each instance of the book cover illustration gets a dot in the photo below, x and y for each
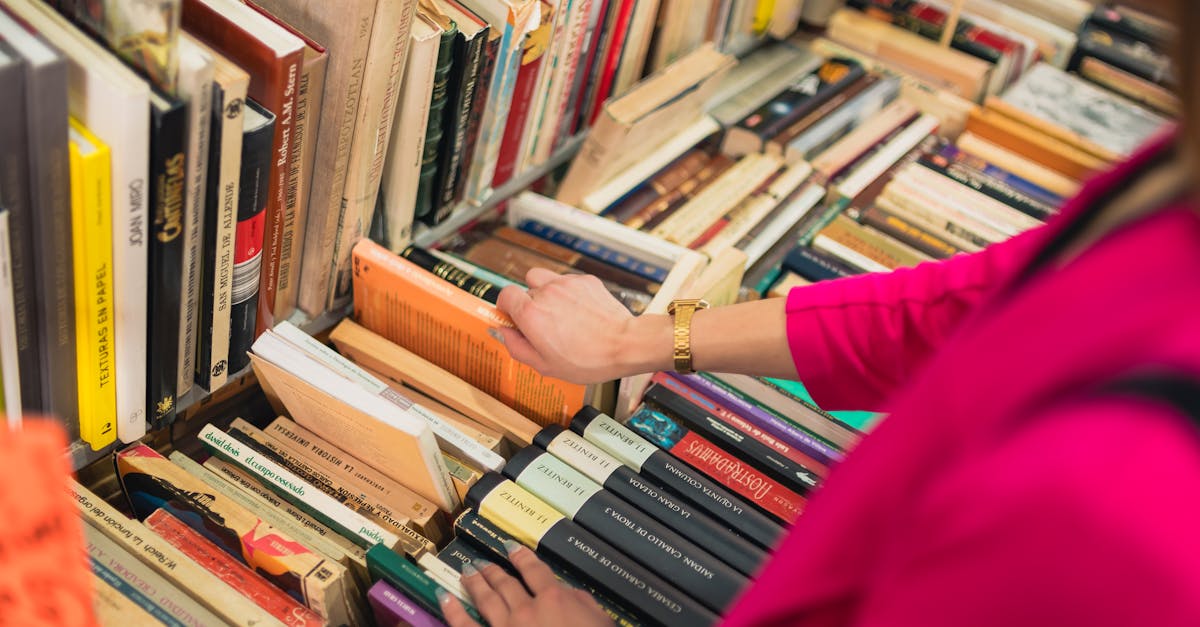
(145, 33)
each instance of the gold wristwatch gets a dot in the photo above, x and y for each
(682, 310)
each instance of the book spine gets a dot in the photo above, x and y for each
(393, 608)
(644, 457)
(451, 274)
(225, 159)
(586, 73)
(653, 499)
(907, 233)
(989, 187)
(488, 59)
(237, 576)
(583, 263)
(168, 172)
(50, 246)
(428, 195)
(248, 242)
(15, 197)
(195, 88)
(815, 265)
(458, 118)
(281, 208)
(648, 542)
(763, 418)
(509, 157)
(608, 65)
(489, 541)
(1035, 192)
(539, 526)
(577, 37)
(697, 414)
(132, 593)
(296, 490)
(595, 250)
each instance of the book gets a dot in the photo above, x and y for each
(168, 174)
(133, 595)
(258, 131)
(405, 155)
(344, 30)
(1125, 53)
(488, 59)
(41, 227)
(194, 86)
(428, 199)
(243, 580)
(151, 482)
(652, 112)
(553, 125)
(539, 526)
(163, 599)
(866, 242)
(113, 609)
(904, 232)
(473, 33)
(109, 86)
(759, 77)
(693, 219)
(809, 93)
(648, 542)
(272, 57)
(91, 235)
(478, 537)
(847, 97)
(386, 284)
(577, 260)
(1035, 145)
(146, 40)
(384, 66)
(488, 437)
(451, 274)
(529, 72)
(393, 608)
(167, 560)
(1133, 87)
(228, 113)
(391, 439)
(378, 354)
(1017, 164)
(9, 355)
(783, 187)
(994, 182)
(835, 159)
(310, 98)
(597, 251)
(648, 460)
(409, 579)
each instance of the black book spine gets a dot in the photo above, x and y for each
(639, 454)
(537, 524)
(488, 541)
(801, 99)
(653, 499)
(457, 119)
(815, 265)
(213, 199)
(693, 416)
(248, 243)
(168, 138)
(483, 86)
(648, 542)
(14, 196)
(452, 274)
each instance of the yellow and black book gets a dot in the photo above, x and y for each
(91, 235)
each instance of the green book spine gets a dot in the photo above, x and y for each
(408, 578)
(427, 196)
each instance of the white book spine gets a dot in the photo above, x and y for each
(825, 244)
(295, 489)
(449, 437)
(879, 163)
(195, 86)
(8, 332)
(402, 168)
(743, 219)
(785, 221)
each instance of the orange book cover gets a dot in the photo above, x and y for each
(1034, 145)
(449, 327)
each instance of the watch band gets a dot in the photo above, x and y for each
(682, 311)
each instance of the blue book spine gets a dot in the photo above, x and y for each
(595, 251)
(1033, 190)
(133, 594)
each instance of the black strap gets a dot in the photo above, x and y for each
(1179, 391)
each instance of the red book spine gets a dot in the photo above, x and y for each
(594, 43)
(742, 479)
(710, 232)
(732, 419)
(620, 30)
(210, 557)
(518, 117)
(578, 31)
(273, 84)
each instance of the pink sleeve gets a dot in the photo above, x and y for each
(855, 340)
(1080, 519)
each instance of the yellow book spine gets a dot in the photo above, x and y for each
(91, 230)
(762, 16)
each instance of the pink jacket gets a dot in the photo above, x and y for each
(1003, 489)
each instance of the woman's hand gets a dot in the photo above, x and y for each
(569, 327)
(503, 602)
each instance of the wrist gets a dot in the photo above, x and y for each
(645, 345)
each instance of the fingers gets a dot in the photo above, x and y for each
(454, 612)
(536, 574)
(513, 300)
(520, 348)
(537, 277)
(488, 602)
(506, 586)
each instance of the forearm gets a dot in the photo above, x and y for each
(747, 338)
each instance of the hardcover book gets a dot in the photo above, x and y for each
(469, 45)
(258, 131)
(428, 196)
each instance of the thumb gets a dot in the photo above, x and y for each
(519, 347)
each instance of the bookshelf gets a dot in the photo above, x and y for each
(467, 212)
